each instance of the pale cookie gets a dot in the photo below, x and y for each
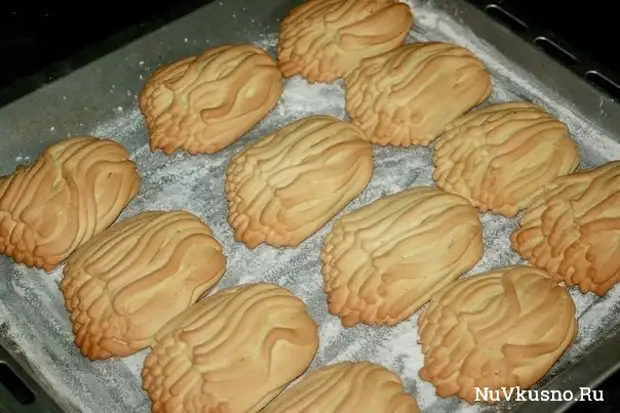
(572, 230)
(75, 189)
(382, 262)
(286, 186)
(346, 387)
(124, 284)
(502, 328)
(323, 40)
(203, 104)
(233, 352)
(407, 96)
(499, 157)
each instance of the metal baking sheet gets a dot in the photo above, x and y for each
(100, 99)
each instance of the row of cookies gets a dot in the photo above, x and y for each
(137, 283)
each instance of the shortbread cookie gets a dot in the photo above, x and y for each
(75, 189)
(502, 328)
(499, 157)
(346, 387)
(204, 103)
(408, 95)
(286, 186)
(233, 351)
(382, 262)
(572, 230)
(124, 284)
(323, 40)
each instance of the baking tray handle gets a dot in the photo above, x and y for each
(19, 393)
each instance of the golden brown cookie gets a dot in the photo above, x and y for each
(323, 40)
(382, 262)
(501, 328)
(75, 189)
(572, 230)
(124, 284)
(233, 351)
(346, 387)
(407, 96)
(287, 185)
(204, 103)
(499, 157)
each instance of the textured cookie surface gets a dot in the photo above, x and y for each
(382, 262)
(75, 189)
(127, 282)
(204, 103)
(407, 96)
(572, 230)
(501, 156)
(347, 387)
(502, 328)
(323, 40)
(233, 351)
(287, 185)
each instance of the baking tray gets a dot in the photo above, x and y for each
(100, 99)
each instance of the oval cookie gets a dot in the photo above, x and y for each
(572, 230)
(346, 387)
(323, 40)
(407, 96)
(204, 103)
(501, 328)
(74, 190)
(499, 157)
(127, 282)
(287, 185)
(382, 262)
(233, 351)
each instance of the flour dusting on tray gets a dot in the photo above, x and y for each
(31, 304)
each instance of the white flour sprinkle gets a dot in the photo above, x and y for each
(32, 305)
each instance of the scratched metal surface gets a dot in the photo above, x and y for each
(100, 99)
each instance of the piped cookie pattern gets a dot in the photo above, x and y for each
(572, 230)
(124, 284)
(204, 103)
(75, 189)
(323, 40)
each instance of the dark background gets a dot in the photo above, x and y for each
(39, 43)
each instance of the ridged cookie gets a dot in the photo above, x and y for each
(499, 157)
(284, 187)
(407, 96)
(572, 230)
(382, 262)
(124, 284)
(501, 328)
(204, 103)
(323, 40)
(233, 352)
(346, 387)
(75, 189)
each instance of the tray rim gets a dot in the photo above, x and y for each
(585, 99)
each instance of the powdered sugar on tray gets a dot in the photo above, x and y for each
(33, 308)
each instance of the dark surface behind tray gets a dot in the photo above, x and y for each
(42, 43)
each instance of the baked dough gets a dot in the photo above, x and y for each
(572, 230)
(232, 352)
(204, 103)
(502, 328)
(382, 262)
(407, 96)
(75, 189)
(127, 282)
(323, 40)
(499, 157)
(287, 185)
(346, 387)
